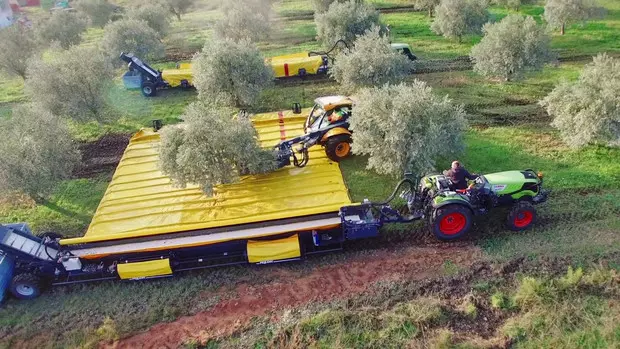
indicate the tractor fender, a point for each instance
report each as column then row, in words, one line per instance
column 335, row 132
column 452, row 201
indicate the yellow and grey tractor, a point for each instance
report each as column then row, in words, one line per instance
column 327, row 125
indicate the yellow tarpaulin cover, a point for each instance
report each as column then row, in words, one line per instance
column 274, row 250
column 289, row 65
column 138, row 270
column 174, row 77
column 141, row 201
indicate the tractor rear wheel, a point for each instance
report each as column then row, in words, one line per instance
column 451, row 222
column 26, row 286
column 149, row 89
column 338, row 147
column 522, row 216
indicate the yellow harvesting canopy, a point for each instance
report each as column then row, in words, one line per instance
column 141, row 201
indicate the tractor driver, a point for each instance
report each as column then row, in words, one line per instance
column 339, row 114
column 459, row 175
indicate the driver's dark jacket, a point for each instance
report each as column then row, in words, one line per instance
column 459, row 177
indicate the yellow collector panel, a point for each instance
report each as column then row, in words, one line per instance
column 140, row 201
column 273, row 250
column 143, row 270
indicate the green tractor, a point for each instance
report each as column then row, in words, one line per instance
column 450, row 212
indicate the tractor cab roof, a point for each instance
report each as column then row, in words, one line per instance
column 330, row 102
column 399, row 46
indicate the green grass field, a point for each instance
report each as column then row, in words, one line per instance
column 580, row 224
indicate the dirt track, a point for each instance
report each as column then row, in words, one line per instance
column 291, row 290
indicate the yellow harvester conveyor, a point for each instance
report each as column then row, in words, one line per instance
column 140, row 201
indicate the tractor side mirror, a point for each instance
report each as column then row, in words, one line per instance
column 157, row 125
column 296, row 108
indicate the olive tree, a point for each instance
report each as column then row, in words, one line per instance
column 245, row 19
column 71, row 83
column 154, row 14
column 36, row 152
column 559, row 13
column 344, row 21
column 588, row 110
column 212, row 148
column 455, row 18
column 427, row 5
column 63, row 27
column 178, row 7
column 371, row 62
column 228, row 72
column 512, row 4
column 132, row 36
column 405, row 127
column 510, row 47
column 98, row 12
column 323, row 5
column 17, row 45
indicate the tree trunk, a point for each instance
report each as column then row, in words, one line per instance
column 430, row 12
column 178, row 14
column 562, row 29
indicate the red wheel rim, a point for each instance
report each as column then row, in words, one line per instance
column 452, row 223
column 523, row 219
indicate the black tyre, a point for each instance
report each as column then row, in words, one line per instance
column 149, row 89
column 522, row 216
column 451, row 222
column 338, row 147
column 26, row 286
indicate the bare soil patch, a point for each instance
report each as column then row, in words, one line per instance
column 291, row 290
column 101, row 156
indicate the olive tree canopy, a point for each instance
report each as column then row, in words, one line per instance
column 559, row 13
column 455, row 18
column 227, row 72
column 131, row 36
column 510, row 47
column 98, row 12
column 323, row 5
column 36, row 152
column 17, row 45
column 245, row 19
column 427, row 5
column 63, row 27
column 71, row 83
column 344, row 21
column 212, row 147
column 178, row 7
column 154, row 14
column 405, row 128
column 588, row 110
column 371, row 62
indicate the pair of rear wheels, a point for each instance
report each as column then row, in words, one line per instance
column 454, row 221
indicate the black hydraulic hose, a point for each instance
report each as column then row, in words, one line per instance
column 391, row 197
column 327, row 53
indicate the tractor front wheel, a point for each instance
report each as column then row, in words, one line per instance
column 451, row 222
column 26, row 286
column 338, row 147
column 521, row 216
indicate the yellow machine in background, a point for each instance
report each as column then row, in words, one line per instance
column 298, row 64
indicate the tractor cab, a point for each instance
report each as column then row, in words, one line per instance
column 328, row 111
column 329, row 121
